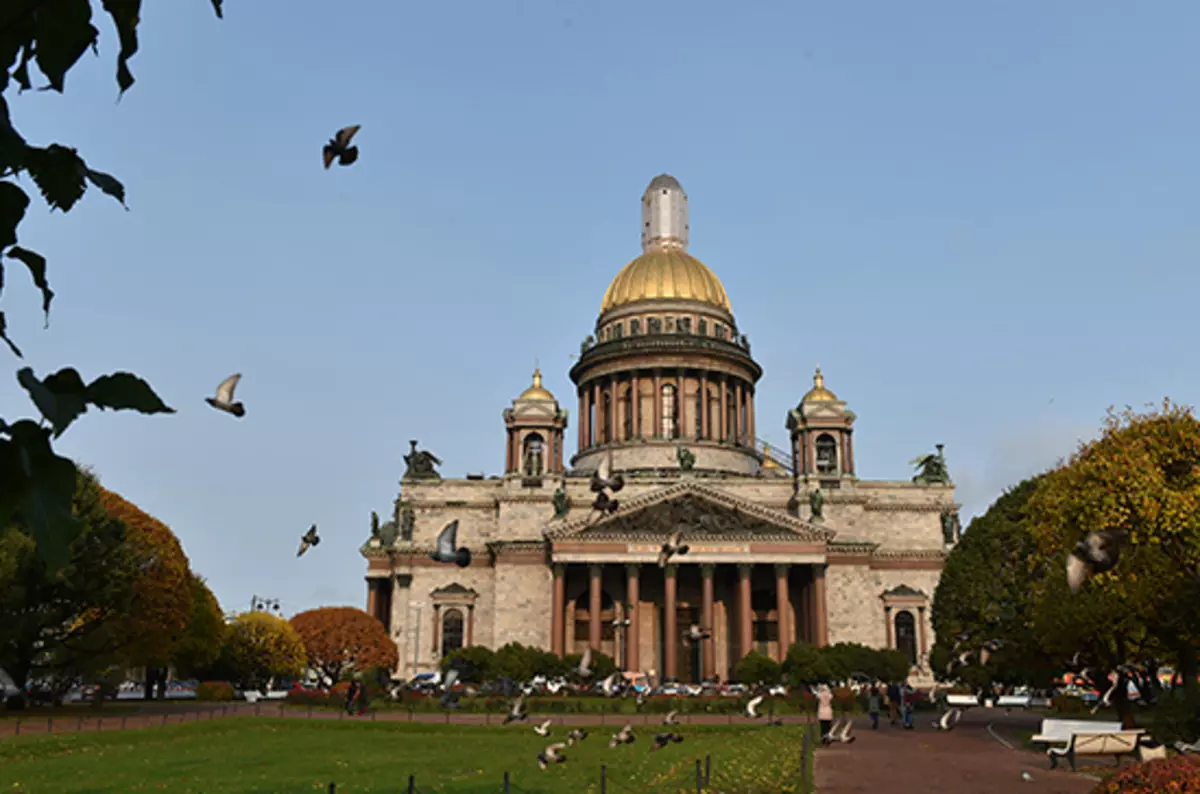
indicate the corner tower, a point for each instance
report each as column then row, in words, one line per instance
column 666, row 367
column 536, row 430
column 821, row 429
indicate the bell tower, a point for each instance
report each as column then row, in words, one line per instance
column 821, row 429
column 535, row 428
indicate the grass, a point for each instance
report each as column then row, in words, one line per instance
column 263, row 755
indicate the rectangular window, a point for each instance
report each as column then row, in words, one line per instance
column 702, row 327
column 635, row 327
column 655, row 325
column 685, row 325
column 618, row 330
column 670, row 325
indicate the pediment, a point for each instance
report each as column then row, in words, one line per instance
column 701, row 511
column 903, row 591
column 540, row 408
column 454, row 589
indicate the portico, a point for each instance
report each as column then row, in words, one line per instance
column 753, row 576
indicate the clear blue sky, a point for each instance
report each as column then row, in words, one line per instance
column 979, row 218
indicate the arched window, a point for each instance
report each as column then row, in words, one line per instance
column 670, row 413
column 534, row 455
column 826, row 449
column 627, row 407
column 906, row 635
column 452, row 631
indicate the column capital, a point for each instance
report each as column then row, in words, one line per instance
column 633, row 568
column 745, row 568
column 887, row 608
column 559, row 569
column 671, row 570
column 781, row 569
column 707, row 570
column 595, row 569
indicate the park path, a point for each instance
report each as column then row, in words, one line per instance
column 929, row 761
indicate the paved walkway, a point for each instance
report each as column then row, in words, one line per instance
column 929, row 761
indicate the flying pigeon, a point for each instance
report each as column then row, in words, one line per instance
column 604, row 483
column 661, row 740
column 543, row 729
column 223, row 401
column 1096, row 552
column 944, row 723
column 449, row 699
column 308, row 540
column 696, row 634
column 623, row 736
column 1194, row 747
column 516, row 711
column 1107, row 698
column 1028, row 778
column 672, row 547
column 988, row 649
column 844, row 734
column 621, row 623
column 577, row 735
column 339, row 147
column 609, row 685
column 446, row 541
column 551, row 755
column 585, row 663
column 752, row 707
column 670, row 718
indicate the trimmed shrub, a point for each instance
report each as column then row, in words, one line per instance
column 1164, row 776
column 214, row 691
column 1068, row 704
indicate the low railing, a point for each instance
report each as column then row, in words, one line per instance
column 777, row 454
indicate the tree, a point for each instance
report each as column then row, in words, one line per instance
column 984, row 594
column 806, row 665
column 199, row 647
column 475, row 663
column 259, row 646
column 162, row 605
column 34, row 480
column 58, row 625
column 755, row 668
column 1139, row 476
column 344, row 638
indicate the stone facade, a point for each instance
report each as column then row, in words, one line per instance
column 668, row 403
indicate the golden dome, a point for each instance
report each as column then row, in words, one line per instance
column 665, row 273
column 536, row 391
column 818, row 393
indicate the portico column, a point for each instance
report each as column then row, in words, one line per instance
column 922, row 649
column 558, row 619
column 745, row 613
column 887, row 626
column 635, row 407
column 594, row 572
column 632, row 598
column 821, row 618
column 372, row 598
column 781, row 609
column 656, row 431
column 470, row 625
column 437, row 625
column 670, row 630
column 708, row 655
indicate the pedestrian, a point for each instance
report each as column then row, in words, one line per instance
column 874, row 702
column 909, row 695
column 825, row 711
column 352, row 695
column 893, row 697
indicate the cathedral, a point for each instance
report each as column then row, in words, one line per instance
column 784, row 545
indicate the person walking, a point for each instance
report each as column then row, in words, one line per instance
column 874, row 702
column 908, row 694
column 352, row 696
column 825, row 711
column 893, row 697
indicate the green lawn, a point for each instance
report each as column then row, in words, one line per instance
column 267, row 755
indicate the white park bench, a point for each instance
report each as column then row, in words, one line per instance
column 961, row 701
column 1059, row 731
column 1119, row 744
column 1014, row 701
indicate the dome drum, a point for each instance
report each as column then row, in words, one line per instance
column 662, row 456
column 665, row 351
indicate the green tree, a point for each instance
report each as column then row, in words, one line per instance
column 60, row 625
column 806, row 665
column 34, row 480
column 755, row 668
column 200, row 646
column 476, row 663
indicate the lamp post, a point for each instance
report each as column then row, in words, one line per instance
column 262, row 604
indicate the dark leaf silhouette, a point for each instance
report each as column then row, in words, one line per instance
column 13, row 203
column 107, row 183
column 216, row 4
column 124, row 391
column 64, row 31
column 39, row 484
column 12, row 145
column 125, row 15
column 4, row 337
column 37, row 271
column 61, row 397
column 59, row 173
column 21, row 73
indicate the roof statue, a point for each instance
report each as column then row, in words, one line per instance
column 932, row 468
column 421, row 464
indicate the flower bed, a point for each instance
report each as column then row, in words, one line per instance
column 1166, row 776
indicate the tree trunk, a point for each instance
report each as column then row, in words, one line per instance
column 1187, row 669
column 1120, row 702
column 163, row 674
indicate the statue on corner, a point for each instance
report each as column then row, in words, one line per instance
column 421, row 464
column 561, row 502
column 951, row 527
column 931, row 468
column 816, row 503
column 686, row 458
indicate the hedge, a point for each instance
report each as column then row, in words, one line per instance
column 218, row 691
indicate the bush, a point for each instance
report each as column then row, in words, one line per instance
column 307, row 697
column 214, row 691
column 1068, row 704
column 1176, row 718
column 755, row 668
column 1178, row 774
